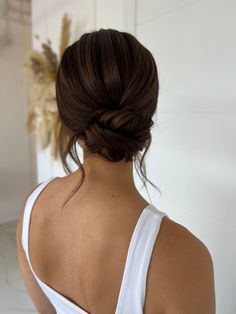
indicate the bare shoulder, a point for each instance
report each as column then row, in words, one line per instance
column 184, row 271
column 184, row 243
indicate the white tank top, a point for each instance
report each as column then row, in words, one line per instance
column 133, row 286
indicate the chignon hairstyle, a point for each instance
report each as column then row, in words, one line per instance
column 107, row 90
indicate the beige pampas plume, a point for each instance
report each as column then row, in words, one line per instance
column 51, row 59
column 65, row 33
column 30, row 123
column 41, row 68
column 37, row 66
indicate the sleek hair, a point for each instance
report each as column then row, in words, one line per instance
column 107, row 90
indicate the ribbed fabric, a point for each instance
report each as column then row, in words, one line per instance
column 133, row 287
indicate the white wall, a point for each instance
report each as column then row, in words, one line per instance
column 192, row 158
column 17, row 156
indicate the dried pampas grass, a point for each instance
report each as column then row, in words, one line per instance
column 65, row 33
column 41, row 68
column 37, row 66
column 51, row 58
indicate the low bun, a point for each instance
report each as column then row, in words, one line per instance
column 127, row 129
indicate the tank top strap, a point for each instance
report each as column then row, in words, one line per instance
column 27, row 214
column 133, row 290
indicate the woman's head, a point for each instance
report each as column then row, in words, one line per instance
column 107, row 91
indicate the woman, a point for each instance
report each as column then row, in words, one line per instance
column 96, row 245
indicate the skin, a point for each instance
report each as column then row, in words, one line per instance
column 180, row 278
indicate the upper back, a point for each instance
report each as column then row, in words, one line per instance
column 81, row 251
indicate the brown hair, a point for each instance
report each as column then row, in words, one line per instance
column 107, row 90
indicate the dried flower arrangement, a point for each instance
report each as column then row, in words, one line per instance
column 41, row 68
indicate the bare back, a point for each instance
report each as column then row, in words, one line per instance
column 80, row 251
